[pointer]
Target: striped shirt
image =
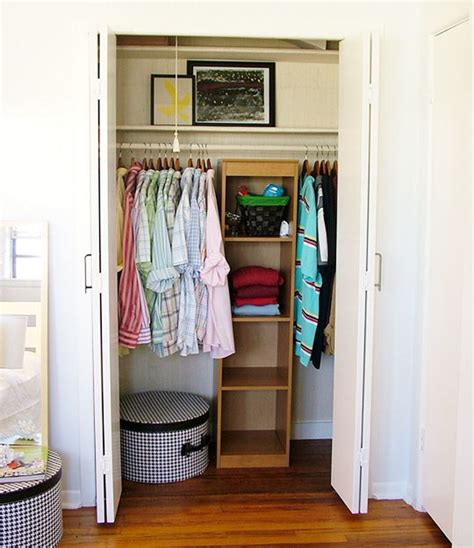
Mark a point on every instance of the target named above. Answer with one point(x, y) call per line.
point(307, 278)
point(144, 336)
point(200, 287)
point(129, 304)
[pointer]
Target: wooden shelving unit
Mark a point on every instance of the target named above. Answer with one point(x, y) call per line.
point(254, 384)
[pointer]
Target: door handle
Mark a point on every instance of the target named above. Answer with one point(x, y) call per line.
point(378, 284)
point(86, 285)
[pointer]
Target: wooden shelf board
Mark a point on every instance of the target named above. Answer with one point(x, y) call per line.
point(254, 319)
point(219, 129)
point(251, 442)
point(229, 53)
point(265, 239)
point(254, 378)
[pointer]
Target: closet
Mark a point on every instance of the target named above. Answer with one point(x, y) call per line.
point(325, 100)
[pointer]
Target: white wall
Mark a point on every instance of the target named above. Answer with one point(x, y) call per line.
point(45, 115)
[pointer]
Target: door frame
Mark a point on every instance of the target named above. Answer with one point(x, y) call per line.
point(366, 392)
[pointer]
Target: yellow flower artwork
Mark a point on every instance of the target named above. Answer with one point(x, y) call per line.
point(183, 103)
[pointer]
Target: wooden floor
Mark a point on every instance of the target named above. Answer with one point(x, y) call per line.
point(294, 506)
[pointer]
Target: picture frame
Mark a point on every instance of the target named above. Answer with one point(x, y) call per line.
point(233, 93)
point(162, 100)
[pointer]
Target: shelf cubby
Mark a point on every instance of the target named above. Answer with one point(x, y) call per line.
point(254, 384)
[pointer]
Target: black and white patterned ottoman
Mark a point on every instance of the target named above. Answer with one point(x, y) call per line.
point(30, 511)
point(164, 436)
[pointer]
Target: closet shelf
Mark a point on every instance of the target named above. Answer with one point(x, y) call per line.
point(230, 53)
point(250, 319)
point(251, 239)
point(219, 129)
point(251, 448)
point(254, 378)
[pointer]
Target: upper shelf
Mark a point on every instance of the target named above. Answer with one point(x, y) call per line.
point(239, 129)
point(230, 53)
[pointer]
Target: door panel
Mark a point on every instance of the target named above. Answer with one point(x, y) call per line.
point(358, 63)
point(448, 279)
point(106, 371)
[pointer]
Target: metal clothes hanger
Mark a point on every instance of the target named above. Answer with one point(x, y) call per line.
point(159, 165)
point(198, 161)
point(190, 159)
point(150, 159)
point(171, 156)
point(165, 160)
point(209, 164)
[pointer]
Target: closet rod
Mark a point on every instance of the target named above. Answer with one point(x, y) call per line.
point(329, 149)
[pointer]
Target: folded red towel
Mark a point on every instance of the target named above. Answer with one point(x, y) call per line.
point(258, 291)
point(256, 301)
point(255, 275)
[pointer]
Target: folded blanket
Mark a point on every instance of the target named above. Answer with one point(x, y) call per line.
point(251, 310)
point(255, 275)
point(257, 301)
point(257, 291)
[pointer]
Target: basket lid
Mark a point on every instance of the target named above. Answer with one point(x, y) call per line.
point(162, 411)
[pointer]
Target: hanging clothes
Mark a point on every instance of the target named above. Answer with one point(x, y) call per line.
point(219, 336)
point(129, 304)
point(119, 196)
point(187, 340)
point(307, 278)
point(198, 212)
point(326, 270)
point(163, 277)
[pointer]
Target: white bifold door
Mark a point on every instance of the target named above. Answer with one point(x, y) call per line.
point(356, 195)
point(447, 339)
point(104, 279)
point(354, 281)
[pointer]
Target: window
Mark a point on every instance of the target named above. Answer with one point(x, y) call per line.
point(25, 255)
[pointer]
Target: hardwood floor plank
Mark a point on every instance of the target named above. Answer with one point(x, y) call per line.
point(293, 506)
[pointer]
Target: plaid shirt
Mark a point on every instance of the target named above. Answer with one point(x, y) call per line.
point(187, 341)
point(172, 196)
point(153, 277)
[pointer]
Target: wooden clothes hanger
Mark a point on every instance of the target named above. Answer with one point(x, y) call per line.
point(165, 160)
point(198, 161)
point(316, 168)
point(150, 159)
point(159, 165)
point(144, 163)
point(119, 159)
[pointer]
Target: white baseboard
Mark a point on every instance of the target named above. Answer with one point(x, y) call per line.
point(71, 500)
point(311, 430)
point(389, 490)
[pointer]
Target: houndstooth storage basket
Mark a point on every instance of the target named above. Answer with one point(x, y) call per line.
point(164, 436)
point(31, 511)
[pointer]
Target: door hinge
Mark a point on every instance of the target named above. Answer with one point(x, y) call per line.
point(105, 464)
point(370, 94)
point(366, 280)
point(97, 88)
point(363, 457)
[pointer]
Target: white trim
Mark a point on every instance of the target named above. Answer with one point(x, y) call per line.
point(452, 25)
point(311, 430)
point(71, 500)
point(389, 490)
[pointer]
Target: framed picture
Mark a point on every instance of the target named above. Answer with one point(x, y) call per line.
point(231, 93)
point(163, 93)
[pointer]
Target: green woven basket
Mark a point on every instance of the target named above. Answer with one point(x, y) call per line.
point(262, 215)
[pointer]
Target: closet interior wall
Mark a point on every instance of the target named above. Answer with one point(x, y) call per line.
point(306, 96)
